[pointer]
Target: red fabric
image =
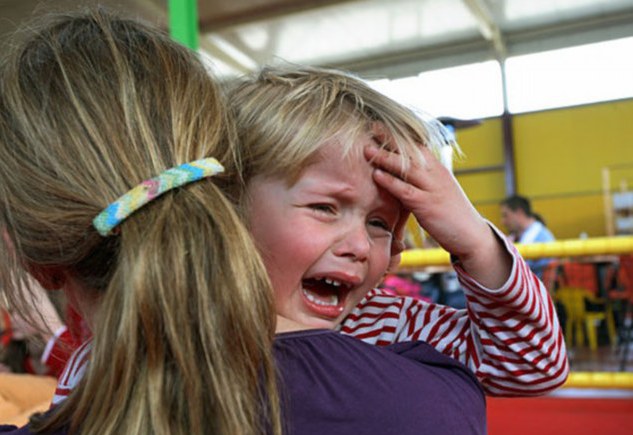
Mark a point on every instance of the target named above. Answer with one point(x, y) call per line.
point(625, 274)
point(621, 280)
point(67, 342)
point(7, 332)
point(559, 416)
point(551, 276)
point(77, 326)
point(64, 346)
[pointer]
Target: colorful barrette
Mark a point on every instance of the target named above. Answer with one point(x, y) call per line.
point(119, 210)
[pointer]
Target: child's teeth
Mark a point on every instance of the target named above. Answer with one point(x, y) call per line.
point(333, 299)
point(332, 282)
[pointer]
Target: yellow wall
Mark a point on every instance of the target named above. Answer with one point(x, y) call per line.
point(482, 145)
point(559, 156)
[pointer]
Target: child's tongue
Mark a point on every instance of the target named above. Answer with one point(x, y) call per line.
point(323, 298)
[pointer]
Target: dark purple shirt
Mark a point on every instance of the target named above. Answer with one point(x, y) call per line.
point(337, 385)
point(334, 384)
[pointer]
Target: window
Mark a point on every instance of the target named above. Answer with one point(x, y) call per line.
point(466, 92)
point(571, 76)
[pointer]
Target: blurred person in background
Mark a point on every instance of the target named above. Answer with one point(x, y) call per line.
point(525, 226)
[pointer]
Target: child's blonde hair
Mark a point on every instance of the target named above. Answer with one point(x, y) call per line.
point(284, 115)
point(90, 106)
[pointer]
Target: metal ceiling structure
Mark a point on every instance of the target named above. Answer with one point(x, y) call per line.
point(378, 38)
point(374, 38)
point(400, 38)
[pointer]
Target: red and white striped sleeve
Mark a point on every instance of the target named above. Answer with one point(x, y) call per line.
point(72, 374)
point(509, 337)
point(58, 350)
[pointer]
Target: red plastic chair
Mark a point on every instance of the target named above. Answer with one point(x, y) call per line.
point(552, 277)
point(581, 275)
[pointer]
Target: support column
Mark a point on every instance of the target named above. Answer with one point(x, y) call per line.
point(183, 22)
point(508, 138)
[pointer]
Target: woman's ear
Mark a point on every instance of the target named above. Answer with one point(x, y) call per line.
point(49, 277)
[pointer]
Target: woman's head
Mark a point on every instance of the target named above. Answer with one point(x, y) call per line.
point(90, 106)
point(83, 121)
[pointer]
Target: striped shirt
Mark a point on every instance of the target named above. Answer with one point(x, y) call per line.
point(509, 337)
point(73, 372)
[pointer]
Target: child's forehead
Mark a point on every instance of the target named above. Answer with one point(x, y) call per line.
point(334, 144)
point(340, 148)
point(329, 154)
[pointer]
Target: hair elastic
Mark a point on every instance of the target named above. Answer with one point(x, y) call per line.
point(148, 190)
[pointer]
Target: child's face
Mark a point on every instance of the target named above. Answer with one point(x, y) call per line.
point(326, 239)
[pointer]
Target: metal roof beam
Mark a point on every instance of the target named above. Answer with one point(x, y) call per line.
point(245, 12)
point(487, 25)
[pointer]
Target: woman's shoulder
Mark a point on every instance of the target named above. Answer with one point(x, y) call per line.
point(334, 384)
point(324, 341)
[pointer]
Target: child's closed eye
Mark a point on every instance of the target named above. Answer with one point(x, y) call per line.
point(381, 224)
point(323, 208)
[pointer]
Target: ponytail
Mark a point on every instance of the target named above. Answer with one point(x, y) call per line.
point(90, 106)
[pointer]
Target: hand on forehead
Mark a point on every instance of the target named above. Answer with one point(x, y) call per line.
point(380, 134)
point(382, 137)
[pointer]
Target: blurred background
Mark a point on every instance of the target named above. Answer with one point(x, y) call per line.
point(539, 94)
point(551, 81)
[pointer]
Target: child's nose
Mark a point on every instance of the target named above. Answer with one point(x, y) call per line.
point(354, 243)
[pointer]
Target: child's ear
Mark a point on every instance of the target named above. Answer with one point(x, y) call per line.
point(394, 262)
point(397, 243)
point(49, 277)
point(397, 246)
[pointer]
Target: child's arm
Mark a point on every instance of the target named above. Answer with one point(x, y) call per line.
point(509, 336)
point(432, 194)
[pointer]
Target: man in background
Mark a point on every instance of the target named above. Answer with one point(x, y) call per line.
point(524, 226)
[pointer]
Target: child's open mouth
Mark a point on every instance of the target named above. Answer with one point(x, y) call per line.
point(325, 296)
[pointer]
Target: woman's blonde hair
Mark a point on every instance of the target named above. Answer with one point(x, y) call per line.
point(286, 114)
point(90, 106)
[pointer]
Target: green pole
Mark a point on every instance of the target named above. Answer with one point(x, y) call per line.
point(183, 22)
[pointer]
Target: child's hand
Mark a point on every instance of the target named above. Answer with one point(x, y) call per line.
point(435, 198)
point(437, 201)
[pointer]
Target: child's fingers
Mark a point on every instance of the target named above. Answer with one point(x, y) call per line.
point(407, 194)
point(381, 136)
point(417, 173)
point(384, 159)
